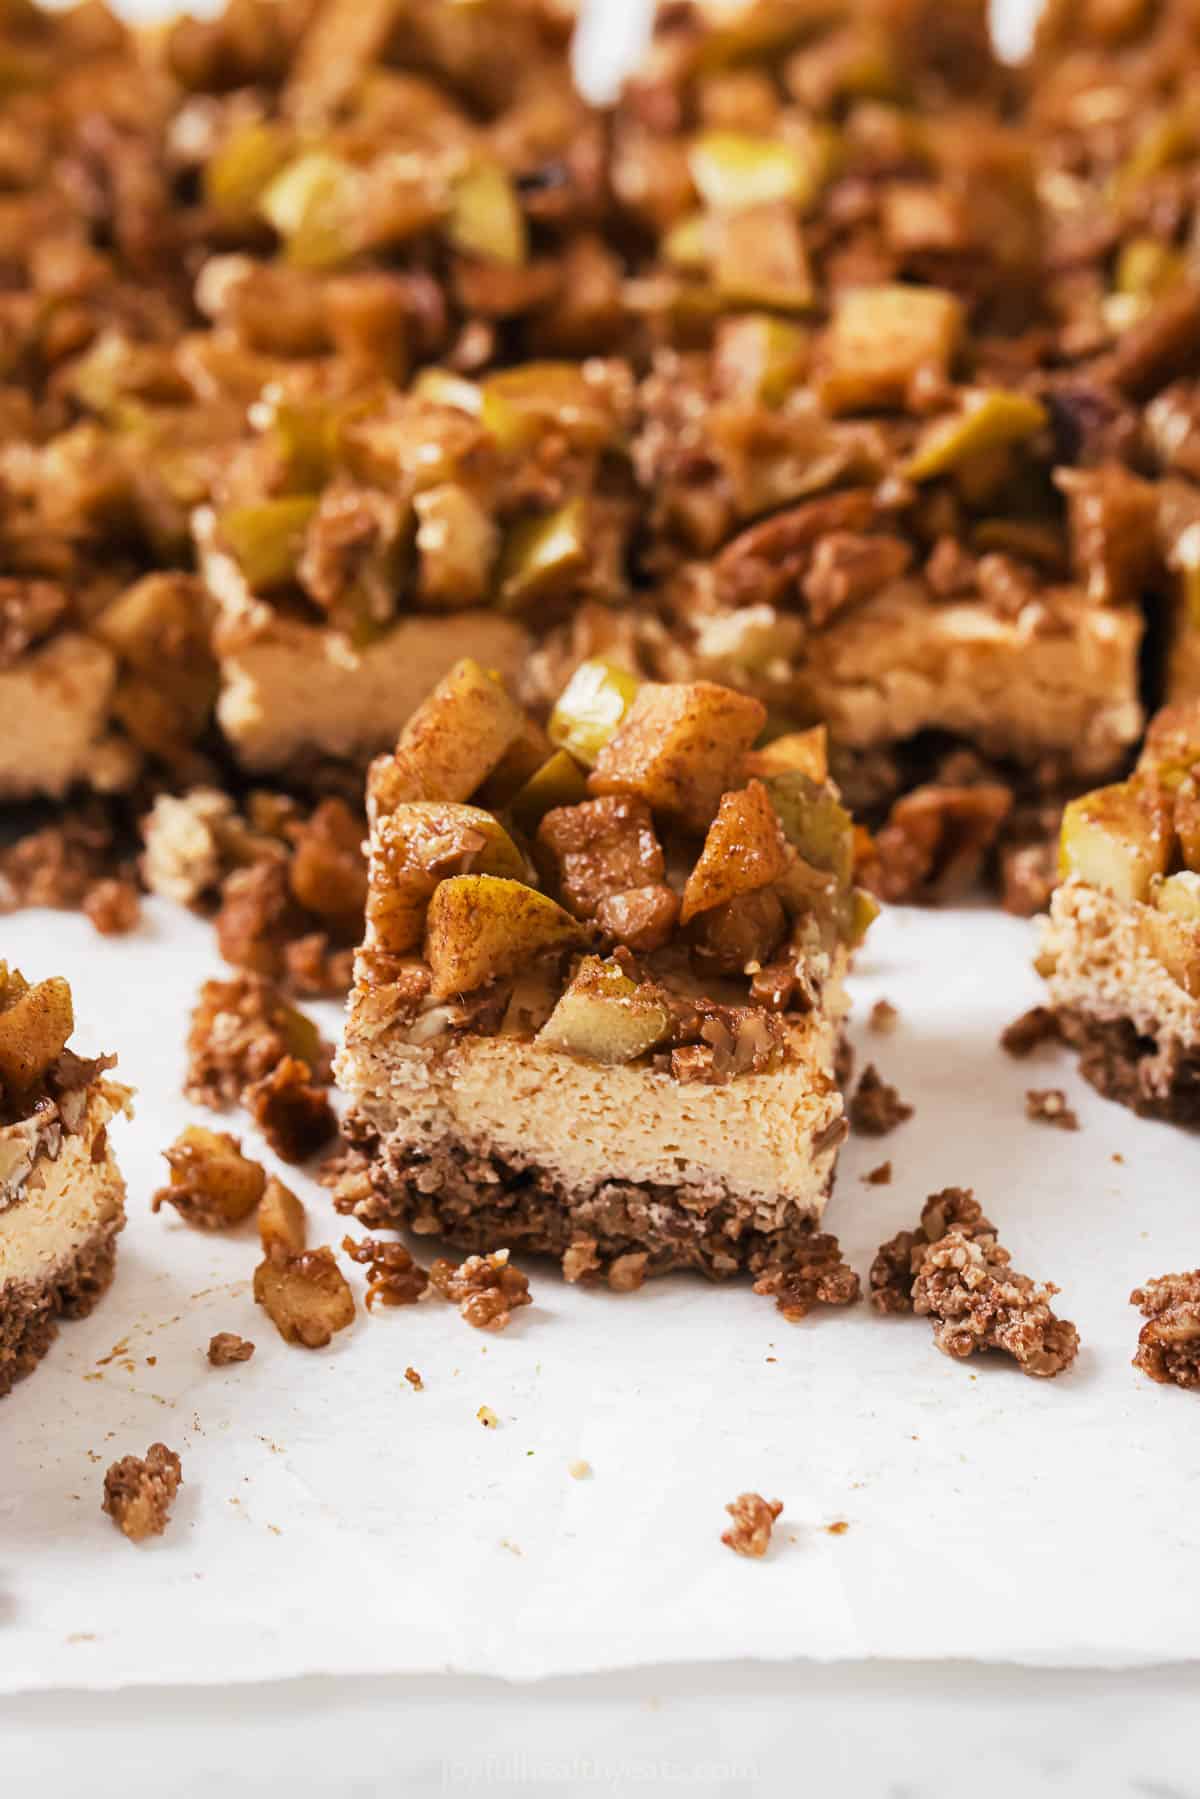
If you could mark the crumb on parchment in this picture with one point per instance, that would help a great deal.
(140, 1490)
(753, 1521)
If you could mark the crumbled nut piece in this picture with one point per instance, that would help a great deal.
(58, 865)
(898, 1262)
(879, 1177)
(580, 1259)
(295, 1117)
(487, 1289)
(884, 1017)
(1028, 1032)
(212, 1185)
(814, 1274)
(139, 1491)
(1169, 1342)
(113, 907)
(306, 1297)
(936, 841)
(414, 1380)
(628, 1272)
(257, 917)
(487, 1417)
(1048, 1105)
(225, 1348)
(753, 1521)
(241, 1029)
(347, 1172)
(875, 1107)
(599, 848)
(282, 1225)
(393, 1276)
(978, 1303)
(314, 968)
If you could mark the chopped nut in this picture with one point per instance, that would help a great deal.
(1169, 1342)
(487, 1289)
(1049, 1105)
(139, 1492)
(295, 1117)
(1028, 1032)
(814, 1274)
(875, 1107)
(393, 1276)
(306, 1296)
(113, 907)
(225, 1348)
(753, 1521)
(212, 1185)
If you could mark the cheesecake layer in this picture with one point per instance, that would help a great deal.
(55, 703)
(487, 1140)
(61, 1208)
(1137, 1029)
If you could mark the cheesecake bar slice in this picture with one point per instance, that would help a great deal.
(1120, 949)
(598, 1009)
(62, 1198)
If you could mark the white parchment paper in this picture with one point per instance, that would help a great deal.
(334, 1520)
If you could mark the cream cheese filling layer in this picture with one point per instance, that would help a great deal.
(1104, 970)
(66, 1198)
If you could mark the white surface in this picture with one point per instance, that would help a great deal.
(333, 1520)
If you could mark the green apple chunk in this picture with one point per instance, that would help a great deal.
(485, 927)
(1117, 839)
(606, 1017)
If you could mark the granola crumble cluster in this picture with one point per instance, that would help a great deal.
(226, 1348)
(814, 1274)
(1169, 1342)
(140, 1490)
(486, 1289)
(876, 1108)
(753, 1521)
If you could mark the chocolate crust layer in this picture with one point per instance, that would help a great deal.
(30, 1310)
(479, 1202)
(1155, 1080)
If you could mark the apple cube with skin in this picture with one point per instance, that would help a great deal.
(880, 338)
(418, 845)
(35, 1024)
(1170, 928)
(1117, 839)
(306, 1297)
(1172, 746)
(804, 751)
(744, 850)
(680, 747)
(590, 708)
(605, 1017)
(1187, 820)
(451, 743)
(484, 927)
(282, 1224)
(815, 822)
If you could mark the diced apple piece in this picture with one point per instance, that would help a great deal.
(1117, 839)
(526, 754)
(1172, 746)
(816, 823)
(521, 404)
(880, 338)
(456, 547)
(446, 388)
(236, 175)
(266, 538)
(1187, 820)
(485, 216)
(735, 170)
(600, 847)
(742, 932)
(482, 927)
(35, 1024)
(989, 419)
(560, 781)
(282, 1224)
(590, 708)
(680, 747)
(306, 1297)
(451, 743)
(416, 846)
(316, 205)
(1179, 894)
(605, 1017)
(543, 555)
(806, 752)
(1170, 928)
(759, 357)
(759, 259)
(744, 850)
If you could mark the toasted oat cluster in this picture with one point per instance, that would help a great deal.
(814, 1274)
(40, 1077)
(139, 1492)
(486, 1289)
(638, 880)
(899, 1261)
(1169, 1342)
(226, 1348)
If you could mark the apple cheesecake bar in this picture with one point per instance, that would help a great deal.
(1120, 950)
(62, 1198)
(598, 1008)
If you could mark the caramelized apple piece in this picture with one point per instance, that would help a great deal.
(306, 1297)
(680, 747)
(558, 782)
(804, 751)
(484, 927)
(416, 846)
(1170, 928)
(605, 1016)
(282, 1225)
(1117, 839)
(744, 850)
(590, 707)
(451, 743)
(880, 338)
(35, 1024)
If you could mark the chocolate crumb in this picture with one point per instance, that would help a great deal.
(139, 1491)
(1169, 1342)
(226, 1347)
(753, 1521)
(1028, 1032)
(876, 1107)
(1048, 1105)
